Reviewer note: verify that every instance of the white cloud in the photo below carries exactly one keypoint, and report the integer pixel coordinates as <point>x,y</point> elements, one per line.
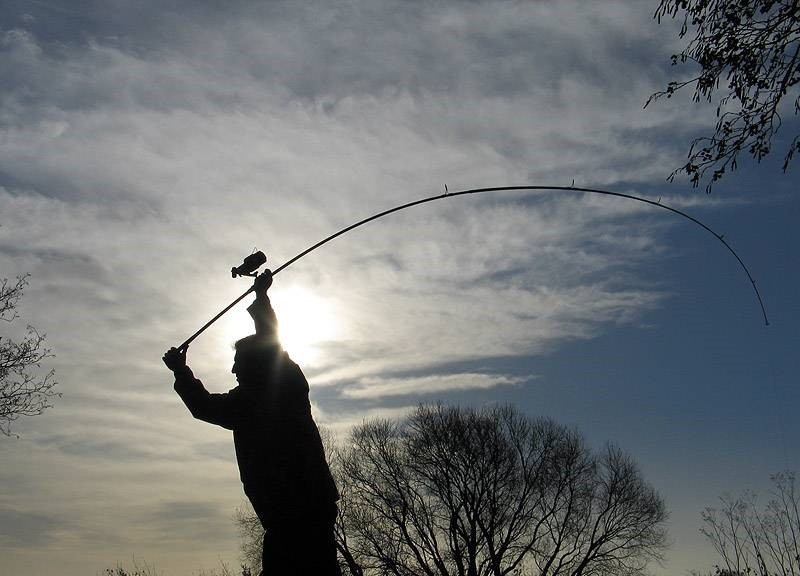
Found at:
<point>378,387</point>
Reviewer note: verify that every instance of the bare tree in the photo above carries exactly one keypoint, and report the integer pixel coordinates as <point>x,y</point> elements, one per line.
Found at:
<point>752,49</point>
<point>452,491</point>
<point>22,391</point>
<point>350,560</point>
<point>758,541</point>
<point>251,535</point>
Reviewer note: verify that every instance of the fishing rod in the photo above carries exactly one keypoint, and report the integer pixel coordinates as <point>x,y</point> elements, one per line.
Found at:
<point>254,261</point>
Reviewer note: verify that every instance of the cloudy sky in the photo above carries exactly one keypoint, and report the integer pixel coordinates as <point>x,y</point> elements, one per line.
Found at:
<point>147,147</point>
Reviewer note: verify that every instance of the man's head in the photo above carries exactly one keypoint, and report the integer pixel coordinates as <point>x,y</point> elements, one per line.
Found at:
<point>255,359</point>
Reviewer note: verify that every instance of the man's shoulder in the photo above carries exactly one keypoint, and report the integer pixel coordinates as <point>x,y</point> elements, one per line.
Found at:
<point>289,366</point>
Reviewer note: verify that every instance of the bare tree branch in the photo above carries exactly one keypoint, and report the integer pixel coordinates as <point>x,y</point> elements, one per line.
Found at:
<point>746,55</point>
<point>22,391</point>
<point>452,491</point>
<point>753,540</point>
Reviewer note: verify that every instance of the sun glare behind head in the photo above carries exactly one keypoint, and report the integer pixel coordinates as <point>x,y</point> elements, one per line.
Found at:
<point>305,321</point>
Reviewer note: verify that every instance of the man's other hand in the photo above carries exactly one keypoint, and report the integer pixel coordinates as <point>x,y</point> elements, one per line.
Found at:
<point>175,359</point>
<point>263,281</point>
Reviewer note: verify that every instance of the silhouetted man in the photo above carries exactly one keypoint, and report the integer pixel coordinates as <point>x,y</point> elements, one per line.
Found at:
<point>278,446</point>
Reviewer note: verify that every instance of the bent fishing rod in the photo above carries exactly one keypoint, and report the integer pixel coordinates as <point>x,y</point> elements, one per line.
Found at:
<point>254,261</point>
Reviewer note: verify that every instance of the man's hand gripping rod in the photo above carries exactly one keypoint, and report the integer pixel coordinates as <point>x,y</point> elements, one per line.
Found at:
<point>246,268</point>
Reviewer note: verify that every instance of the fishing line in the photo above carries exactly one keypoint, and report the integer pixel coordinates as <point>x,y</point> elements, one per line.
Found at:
<point>448,194</point>
<point>780,399</point>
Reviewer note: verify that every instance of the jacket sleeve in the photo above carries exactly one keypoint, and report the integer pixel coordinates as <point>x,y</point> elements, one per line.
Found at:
<point>226,410</point>
<point>264,317</point>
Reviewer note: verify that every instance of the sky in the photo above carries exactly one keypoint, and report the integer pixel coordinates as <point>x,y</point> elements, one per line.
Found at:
<point>147,147</point>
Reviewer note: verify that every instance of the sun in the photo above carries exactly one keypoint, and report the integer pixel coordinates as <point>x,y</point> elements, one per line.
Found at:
<point>305,322</point>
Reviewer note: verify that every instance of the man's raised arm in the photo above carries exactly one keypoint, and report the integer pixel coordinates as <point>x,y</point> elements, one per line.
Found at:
<point>261,311</point>
<point>224,410</point>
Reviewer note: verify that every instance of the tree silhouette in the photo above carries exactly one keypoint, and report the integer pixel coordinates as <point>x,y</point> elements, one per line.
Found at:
<point>452,491</point>
<point>746,55</point>
<point>458,491</point>
<point>22,392</point>
<point>251,537</point>
<point>753,540</point>
<point>463,492</point>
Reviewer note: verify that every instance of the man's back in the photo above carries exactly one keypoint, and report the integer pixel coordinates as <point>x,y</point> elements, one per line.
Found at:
<point>278,446</point>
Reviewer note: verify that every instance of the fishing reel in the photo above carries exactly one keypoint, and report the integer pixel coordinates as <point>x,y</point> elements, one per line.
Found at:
<point>249,266</point>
